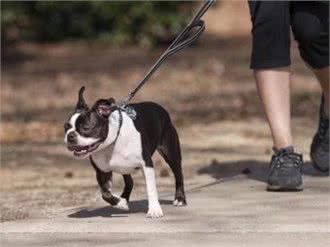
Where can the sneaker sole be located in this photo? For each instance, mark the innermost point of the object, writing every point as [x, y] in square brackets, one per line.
[284, 188]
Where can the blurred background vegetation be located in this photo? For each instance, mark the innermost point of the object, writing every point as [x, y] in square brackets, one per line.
[51, 48]
[120, 23]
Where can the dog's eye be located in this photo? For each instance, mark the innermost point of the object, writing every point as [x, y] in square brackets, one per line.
[67, 126]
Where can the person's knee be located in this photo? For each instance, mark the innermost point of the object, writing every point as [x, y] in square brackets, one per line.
[306, 28]
[313, 39]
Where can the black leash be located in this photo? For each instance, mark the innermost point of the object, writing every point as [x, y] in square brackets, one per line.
[183, 40]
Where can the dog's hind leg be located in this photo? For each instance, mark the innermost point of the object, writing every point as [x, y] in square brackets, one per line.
[170, 150]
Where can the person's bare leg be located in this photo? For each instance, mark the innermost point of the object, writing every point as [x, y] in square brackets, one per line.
[323, 78]
[285, 167]
[274, 90]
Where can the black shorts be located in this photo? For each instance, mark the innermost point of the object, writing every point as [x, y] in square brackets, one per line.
[271, 21]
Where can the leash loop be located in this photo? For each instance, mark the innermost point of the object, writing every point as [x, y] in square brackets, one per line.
[188, 36]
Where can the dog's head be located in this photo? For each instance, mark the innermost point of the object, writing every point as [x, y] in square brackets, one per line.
[87, 129]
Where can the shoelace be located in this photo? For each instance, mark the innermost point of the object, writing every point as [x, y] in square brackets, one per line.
[281, 158]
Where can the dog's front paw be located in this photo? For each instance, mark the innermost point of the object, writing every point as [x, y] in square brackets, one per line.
[122, 204]
[155, 211]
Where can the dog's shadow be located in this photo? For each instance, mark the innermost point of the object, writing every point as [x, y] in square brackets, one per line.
[139, 206]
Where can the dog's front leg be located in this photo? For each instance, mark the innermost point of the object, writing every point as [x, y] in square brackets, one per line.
[105, 182]
[154, 209]
[104, 179]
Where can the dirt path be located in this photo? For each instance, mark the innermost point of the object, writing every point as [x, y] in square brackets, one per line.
[40, 180]
[228, 211]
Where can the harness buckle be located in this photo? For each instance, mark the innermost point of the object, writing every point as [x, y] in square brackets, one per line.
[129, 110]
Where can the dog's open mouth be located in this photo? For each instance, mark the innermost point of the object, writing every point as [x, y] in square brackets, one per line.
[83, 150]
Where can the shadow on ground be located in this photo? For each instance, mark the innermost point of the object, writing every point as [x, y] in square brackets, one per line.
[221, 171]
[253, 169]
[139, 206]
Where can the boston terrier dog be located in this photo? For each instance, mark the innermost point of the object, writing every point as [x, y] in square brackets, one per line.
[116, 141]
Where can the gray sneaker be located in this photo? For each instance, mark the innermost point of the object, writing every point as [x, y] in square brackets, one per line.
[285, 170]
[320, 144]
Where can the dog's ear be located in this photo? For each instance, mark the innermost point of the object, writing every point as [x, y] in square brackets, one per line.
[104, 107]
[81, 104]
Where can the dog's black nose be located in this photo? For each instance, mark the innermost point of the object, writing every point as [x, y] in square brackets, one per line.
[72, 137]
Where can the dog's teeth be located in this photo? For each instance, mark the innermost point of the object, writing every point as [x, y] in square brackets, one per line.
[82, 150]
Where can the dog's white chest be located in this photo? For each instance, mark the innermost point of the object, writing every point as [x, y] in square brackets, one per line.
[125, 155]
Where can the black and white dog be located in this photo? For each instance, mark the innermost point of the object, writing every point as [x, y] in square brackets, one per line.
[116, 142]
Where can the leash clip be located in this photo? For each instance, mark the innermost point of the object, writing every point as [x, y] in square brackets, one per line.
[129, 110]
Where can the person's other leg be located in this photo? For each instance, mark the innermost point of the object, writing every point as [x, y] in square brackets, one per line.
[271, 60]
[323, 77]
[310, 25]
[319, 151]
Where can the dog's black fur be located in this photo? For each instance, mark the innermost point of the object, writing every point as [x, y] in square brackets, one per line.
[157, 133]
